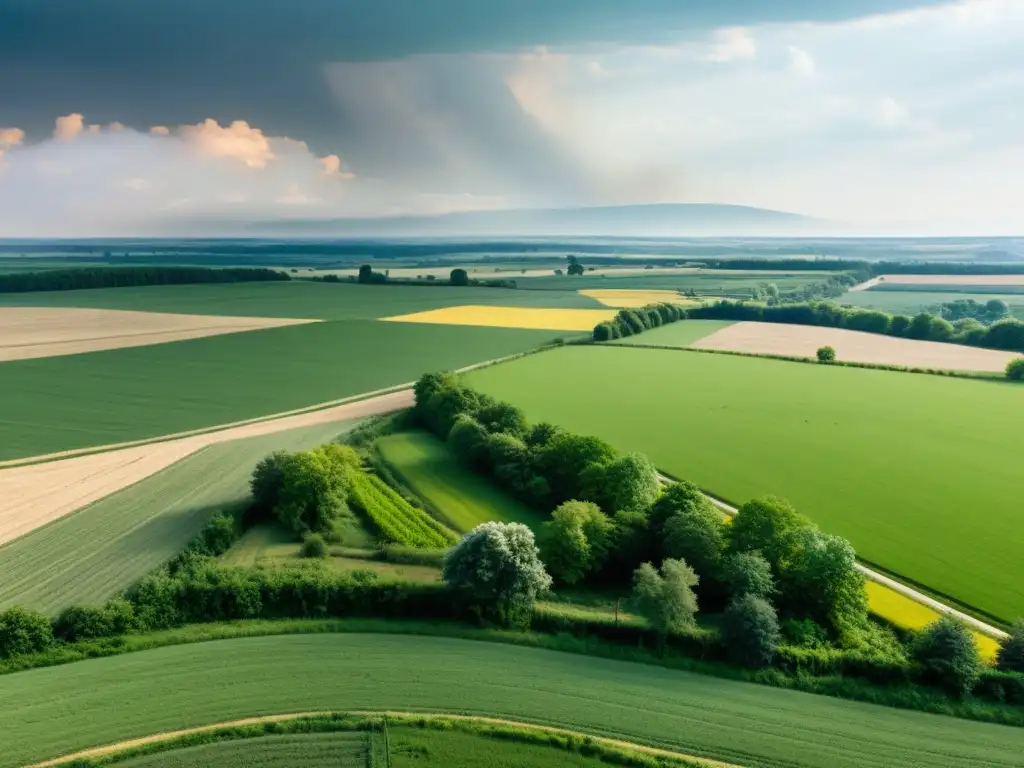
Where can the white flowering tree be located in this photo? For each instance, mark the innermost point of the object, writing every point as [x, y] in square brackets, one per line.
[499, 566]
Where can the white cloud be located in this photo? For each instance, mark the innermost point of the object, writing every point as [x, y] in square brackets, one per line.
[159, 130]
[68, 126]
[295, 196]
[238, 141]
[137, 184]
[10, 137]
[732, 44]
[801, 62]
[596, 69]
[331, 164]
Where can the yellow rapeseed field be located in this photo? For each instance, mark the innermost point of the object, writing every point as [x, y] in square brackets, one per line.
[510, 317]
[904, 612]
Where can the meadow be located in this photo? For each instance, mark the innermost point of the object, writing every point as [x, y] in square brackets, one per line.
[58, 710]
[462, 498]
[91, 555]
[297, 299]
[314, 750]
[918, 471]
[909, 301]
[62, 403]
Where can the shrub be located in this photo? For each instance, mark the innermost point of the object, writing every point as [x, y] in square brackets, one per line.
[948, 656]
[312, 495]
[497, 566]
[748, 573]
[1011, 649]
[313, 546]
[1015, 369]
[750, 631]
[83, 622]
[899, 325]
[826, 355]
[605, 331]
[23, 631]
[666, 598]
[575, 541]
[805, 633]
[459, 277]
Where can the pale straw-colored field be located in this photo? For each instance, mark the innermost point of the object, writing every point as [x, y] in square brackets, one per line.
[950, 279]
[510, 317]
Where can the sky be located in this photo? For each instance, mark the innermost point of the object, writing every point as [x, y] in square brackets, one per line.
[131, 117]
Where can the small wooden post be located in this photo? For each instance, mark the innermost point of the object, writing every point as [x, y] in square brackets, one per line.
[617, 600]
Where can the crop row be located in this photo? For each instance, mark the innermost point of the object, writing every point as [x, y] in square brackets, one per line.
[398, 521]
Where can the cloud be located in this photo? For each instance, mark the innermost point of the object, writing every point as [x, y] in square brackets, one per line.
[732, 44]
[801, 62]
[10, 137]
[331, 164]
[596, 69]
[68, 126]
[238, 141]
[159, 130]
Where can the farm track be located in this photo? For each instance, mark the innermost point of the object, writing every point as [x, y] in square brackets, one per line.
[399, 717]
[885, 581]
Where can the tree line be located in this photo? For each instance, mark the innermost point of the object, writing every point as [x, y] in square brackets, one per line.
[124, 277]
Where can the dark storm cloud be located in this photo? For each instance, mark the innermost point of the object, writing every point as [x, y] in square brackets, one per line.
[145, 62]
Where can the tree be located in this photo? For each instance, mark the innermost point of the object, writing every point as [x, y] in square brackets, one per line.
[366, 274]
[1015, 369]
[826, 355]
[1011, 649]
[764, 525]
[997, 309]
[468, 441]
[696, 536]
[313, 492]
[267, 480]
[666, 598]
[948, 656]
[750, 630]
[575, 268]
[459, 277]
[565, 458]
[502, 417]
[313, 546]
[82, 622]
[748, 573]
[497, 565]
[429, 384]
[542, 433]
[447, 405]
[574, 543]
[820, 581]
[627, 482]
[678, 498]
[631, 544]
[23, 631]
[899, 326]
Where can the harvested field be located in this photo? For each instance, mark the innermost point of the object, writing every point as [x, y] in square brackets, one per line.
[30, 332]
[950, 280]
[850, 346]
[895, 462]
[510, 317]
[36, 494]
[59, 710]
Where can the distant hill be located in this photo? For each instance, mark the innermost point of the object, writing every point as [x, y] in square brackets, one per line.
[657, 220]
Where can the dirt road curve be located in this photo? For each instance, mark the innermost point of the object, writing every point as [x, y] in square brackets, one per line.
[36, 494]
[878, 578]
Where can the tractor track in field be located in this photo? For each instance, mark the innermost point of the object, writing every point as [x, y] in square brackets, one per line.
[879, 578]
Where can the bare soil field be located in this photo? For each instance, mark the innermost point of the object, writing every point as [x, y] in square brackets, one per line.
[31, 332]
[36, 494]
[949, 280]
[852, 346]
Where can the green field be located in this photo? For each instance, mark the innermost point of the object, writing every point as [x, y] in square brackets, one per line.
[464, 499]
[75, 401]
[911, 302]
[681, 334]
[89, 556]
[326, 301]
[920, 472]
[312, 750]
[424, 748]
[724, 282]
[57, 710]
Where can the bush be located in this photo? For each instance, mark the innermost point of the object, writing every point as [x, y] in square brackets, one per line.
[84, 622]
[313, 492]
[459, 277]
[826, 355]
[497, 566]
[1011, 649]
[23, 631]
[666, 598]
[748, 573]
[313, 546]
[948, 656]
[575, 541]
[805, 633]
[1015, 369]
[605, 331]
[750, 631]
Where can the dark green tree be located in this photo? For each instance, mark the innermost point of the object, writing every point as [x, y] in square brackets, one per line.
[826, 355]
[459, 277]
[1015, 369]
[750, 631]
[948, 656]
[575, 268]
[575, 542]
[625, 482]
[1011, 649]
[764, 525]
[748, 573]
[23, 631]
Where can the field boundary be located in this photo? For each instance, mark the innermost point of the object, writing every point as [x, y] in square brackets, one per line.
[427, 718]
[918, 597]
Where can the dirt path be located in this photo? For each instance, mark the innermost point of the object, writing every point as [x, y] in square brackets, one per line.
[123, 746]
[866, 285]
[918, 597]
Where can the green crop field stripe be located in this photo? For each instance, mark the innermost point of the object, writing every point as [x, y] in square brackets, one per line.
[76, 401]
[464, 499]
[919, 472]
[59, 710]
[313, 750]
[89, 556]
[396, 519]
[300, 299]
